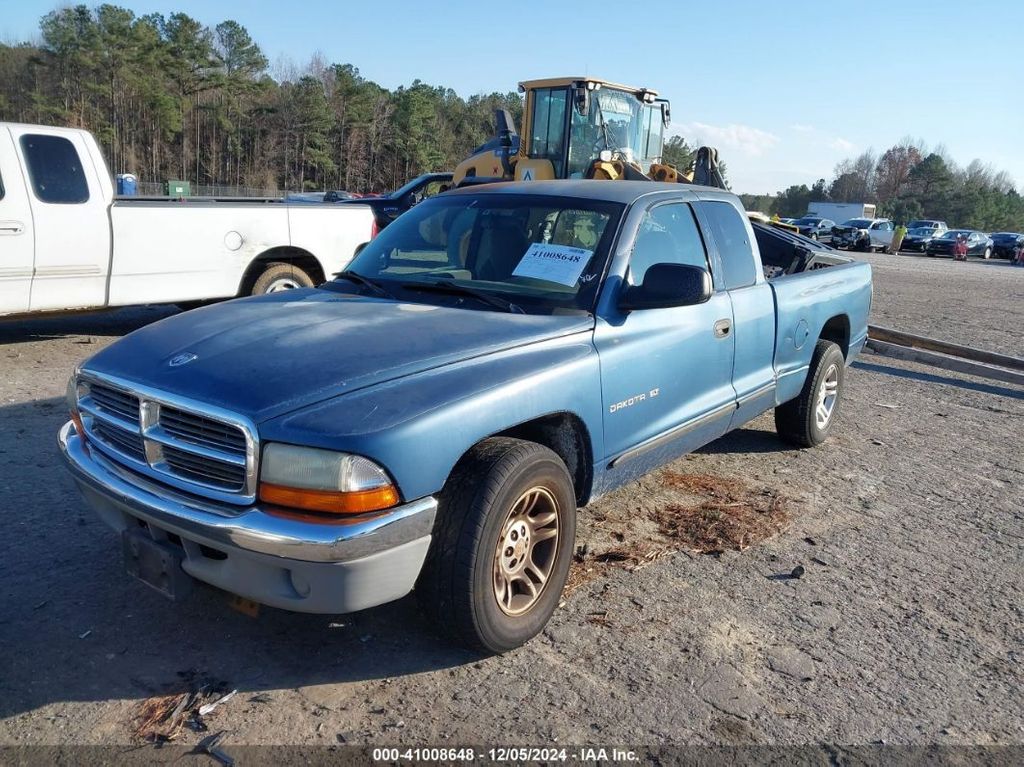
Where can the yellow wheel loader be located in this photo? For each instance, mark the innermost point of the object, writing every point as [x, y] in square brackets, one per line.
[582, 127]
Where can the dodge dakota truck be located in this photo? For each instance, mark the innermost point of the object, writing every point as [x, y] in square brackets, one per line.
[432, 418]
[67, 243]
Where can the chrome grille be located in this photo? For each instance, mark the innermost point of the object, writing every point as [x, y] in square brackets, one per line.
[199, 469]
[128, 443]
[189, 445]
[203, 430]
[116, 402]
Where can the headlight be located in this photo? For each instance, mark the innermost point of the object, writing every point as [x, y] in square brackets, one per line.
[323, 480]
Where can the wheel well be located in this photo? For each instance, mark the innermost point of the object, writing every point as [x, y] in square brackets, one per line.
[837, 330]
[286, 255]
[567, 437]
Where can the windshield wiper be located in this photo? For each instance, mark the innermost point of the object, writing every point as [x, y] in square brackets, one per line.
[440, 286]
[366, 282]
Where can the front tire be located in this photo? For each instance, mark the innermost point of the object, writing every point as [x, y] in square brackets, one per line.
[807, 420]
[502, 545]
[278, 276]
[987, 254]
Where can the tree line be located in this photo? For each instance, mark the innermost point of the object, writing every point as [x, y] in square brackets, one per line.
[909, 181]
[170, 98]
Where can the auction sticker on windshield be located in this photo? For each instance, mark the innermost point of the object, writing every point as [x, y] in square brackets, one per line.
[561, 264]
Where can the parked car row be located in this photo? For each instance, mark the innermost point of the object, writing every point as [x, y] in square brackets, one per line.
[928, 236]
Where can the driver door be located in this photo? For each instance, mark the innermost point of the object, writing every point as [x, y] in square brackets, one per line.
[666, 373]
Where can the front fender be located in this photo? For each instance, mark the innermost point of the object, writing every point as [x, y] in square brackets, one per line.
[418, 427]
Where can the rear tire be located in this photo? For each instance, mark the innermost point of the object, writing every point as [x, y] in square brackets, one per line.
[807, 420]
[502, 546]
[279, 276]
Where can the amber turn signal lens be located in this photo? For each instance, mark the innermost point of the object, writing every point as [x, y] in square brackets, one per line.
[330, 501]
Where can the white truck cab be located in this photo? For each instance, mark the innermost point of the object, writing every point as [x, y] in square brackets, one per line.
[67, 243]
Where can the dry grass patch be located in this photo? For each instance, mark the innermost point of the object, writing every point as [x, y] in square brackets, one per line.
[729, 516]
[702, 514]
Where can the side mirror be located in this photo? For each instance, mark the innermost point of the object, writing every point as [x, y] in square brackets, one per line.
[667, 285]
[666, 112]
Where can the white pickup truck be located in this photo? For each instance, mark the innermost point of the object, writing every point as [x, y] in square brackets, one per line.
[66, 242]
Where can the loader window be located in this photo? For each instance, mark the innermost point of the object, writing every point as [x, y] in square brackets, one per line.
[547, 134]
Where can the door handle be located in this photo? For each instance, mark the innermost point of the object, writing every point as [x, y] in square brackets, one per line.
[11, 227]
[722, 328]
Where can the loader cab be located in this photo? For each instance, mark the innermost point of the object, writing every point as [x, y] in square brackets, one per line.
[572, 123]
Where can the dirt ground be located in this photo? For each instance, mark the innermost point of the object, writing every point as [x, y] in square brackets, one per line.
[905, 628]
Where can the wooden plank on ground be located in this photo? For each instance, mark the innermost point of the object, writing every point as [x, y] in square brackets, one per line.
[944, 361]
[901, 338]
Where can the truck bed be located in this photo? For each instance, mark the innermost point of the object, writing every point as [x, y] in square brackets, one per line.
[806, 301]
[784, 253]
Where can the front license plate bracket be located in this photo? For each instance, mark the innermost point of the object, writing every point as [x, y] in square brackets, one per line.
[155, 563]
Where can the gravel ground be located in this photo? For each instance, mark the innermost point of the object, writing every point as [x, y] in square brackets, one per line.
[906, 627]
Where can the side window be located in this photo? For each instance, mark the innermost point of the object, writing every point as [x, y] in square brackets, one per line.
[668, 234]
[55, 169]
[733, 241]
[434, 187]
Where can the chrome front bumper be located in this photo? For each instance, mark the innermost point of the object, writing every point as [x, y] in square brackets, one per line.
[293, 564]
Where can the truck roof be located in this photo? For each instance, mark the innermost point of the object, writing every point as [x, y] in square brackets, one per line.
[624, 192]
[47, 128]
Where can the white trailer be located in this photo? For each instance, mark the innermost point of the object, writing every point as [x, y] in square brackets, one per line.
[840, 212]
[67, 243]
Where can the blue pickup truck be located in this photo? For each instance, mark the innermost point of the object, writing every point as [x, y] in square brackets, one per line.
[433, 417]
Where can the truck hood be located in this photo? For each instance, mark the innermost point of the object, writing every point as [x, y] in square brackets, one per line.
[266, 356]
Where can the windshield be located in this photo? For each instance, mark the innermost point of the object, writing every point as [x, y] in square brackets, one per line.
[542, 253]
[921, 224]
[859, 223]
[401, 192]
[921, 231]
[952, 234]
[807, 221]
[619, 122]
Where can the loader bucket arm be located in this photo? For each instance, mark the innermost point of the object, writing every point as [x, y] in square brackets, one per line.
[705, 168]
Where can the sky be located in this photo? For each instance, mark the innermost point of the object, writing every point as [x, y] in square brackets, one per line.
[784, 90]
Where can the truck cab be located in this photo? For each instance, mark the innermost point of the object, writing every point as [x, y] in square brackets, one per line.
[55, 232]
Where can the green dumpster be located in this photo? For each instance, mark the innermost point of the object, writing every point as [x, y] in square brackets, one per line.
[177, 188]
